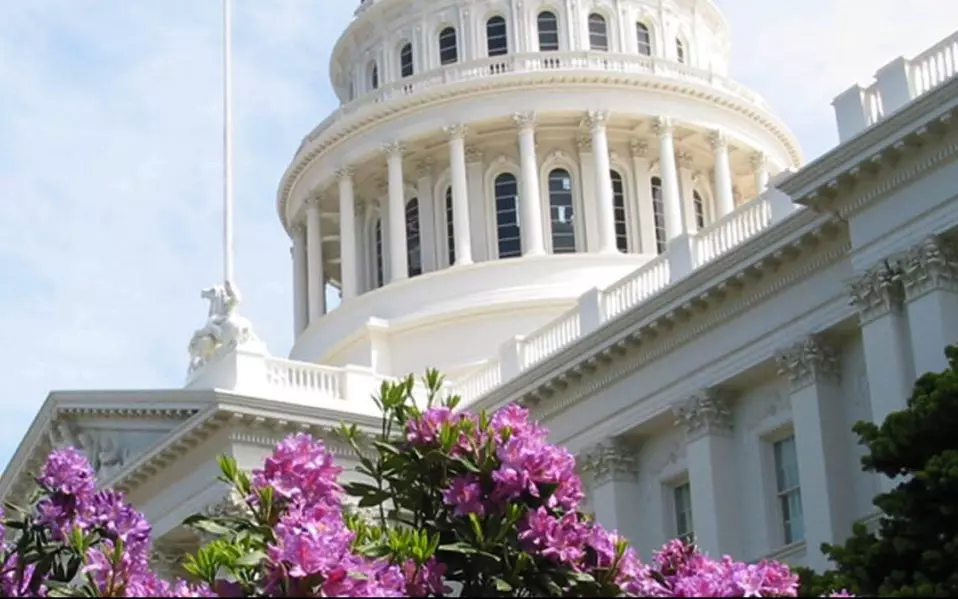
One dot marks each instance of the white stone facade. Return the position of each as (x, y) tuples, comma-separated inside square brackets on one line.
[(697, 316)]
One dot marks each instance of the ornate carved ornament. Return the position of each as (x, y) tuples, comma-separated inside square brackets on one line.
[(931, 264), (877, 291), (610, 460), (705, 412), (807, 361), (103, 448)]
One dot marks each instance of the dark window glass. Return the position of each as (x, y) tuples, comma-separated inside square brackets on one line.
[(560, 212), (450, 228), (658, 214), (413, 238), (548, 32), (598, 33), (507, 216), (644, 39), (497, 41), (405, 61), (618, 202), (448, 46)]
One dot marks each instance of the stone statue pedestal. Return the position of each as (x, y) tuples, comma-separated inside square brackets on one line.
[(241, 370)]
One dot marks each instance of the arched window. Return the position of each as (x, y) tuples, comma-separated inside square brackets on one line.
[(644, 39), (497, 36), (406, 68), (450, 228), (373, 75), (680, 53), (448, 46), (378, 235), (560, 212), (618, 204), (698, 206), (548, 26), (658, 214), (507, 216), (598, 33), (413, 238), (351, 92)]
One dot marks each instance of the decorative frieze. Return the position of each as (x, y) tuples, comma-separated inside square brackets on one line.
[(683, 159), (809, 360), (473, 154), (758, 161), (424, 168), (705, 412), (929, 265), (614, 459), (877, 291), (103, 448), (639, 148)]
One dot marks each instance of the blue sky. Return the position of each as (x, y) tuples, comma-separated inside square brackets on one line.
[(110, 161)]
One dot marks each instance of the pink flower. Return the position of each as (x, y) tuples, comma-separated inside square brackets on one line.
[(465, 494), (301, 470)]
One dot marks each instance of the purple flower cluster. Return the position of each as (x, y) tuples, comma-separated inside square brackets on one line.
[(313, 553)]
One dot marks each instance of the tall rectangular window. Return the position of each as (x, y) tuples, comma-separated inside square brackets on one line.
[(788, 490), (682, 504)]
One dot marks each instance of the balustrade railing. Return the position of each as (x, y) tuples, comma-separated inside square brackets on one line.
[(731, 230), (549, 339), (935, 65), (291, 376), (483, 378), (632, 290)]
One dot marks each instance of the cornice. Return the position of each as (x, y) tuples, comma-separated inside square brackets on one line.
[(820, 183), (713, 294), (377, 114)]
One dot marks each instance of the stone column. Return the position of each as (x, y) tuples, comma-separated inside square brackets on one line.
[(605, 209), (929, 273), (813, 370), (643, 194), (427, 216), (530, 197), (398, 260), (671, 197), (300, 306), (587, 229), (460, 191), (475, 182), (611, 467), (725, 203), (878, 295), (348, 252), (759, 162), (314, 260), (687, 190), (713, 479)]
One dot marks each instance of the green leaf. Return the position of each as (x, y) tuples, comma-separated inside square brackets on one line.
[(251, 559), (374, 499), (207, 525), (502, 586)]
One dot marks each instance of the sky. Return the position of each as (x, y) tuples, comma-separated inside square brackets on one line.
[(110, 162)]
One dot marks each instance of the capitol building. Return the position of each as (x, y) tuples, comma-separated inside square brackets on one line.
[(571, 205)]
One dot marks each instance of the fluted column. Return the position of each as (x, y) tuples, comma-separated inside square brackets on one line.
[(460, 193), (929, 274), (348, 252), (530, 200), (684, 162), (725, 202), (300, 308), (314, 259), (706, 417), (611, 471), (643, 193), (398, 260), (821, 433), (759, 162), (605, 210), (671, 197), (427, 216)]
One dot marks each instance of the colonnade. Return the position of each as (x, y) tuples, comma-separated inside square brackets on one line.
[(307, 253)]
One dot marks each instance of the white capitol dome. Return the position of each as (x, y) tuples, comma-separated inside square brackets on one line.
[(491, 161)]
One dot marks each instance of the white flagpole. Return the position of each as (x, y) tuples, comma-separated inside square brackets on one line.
[(227, 149)]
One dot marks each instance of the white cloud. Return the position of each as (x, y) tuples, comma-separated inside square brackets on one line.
[(110, 161)]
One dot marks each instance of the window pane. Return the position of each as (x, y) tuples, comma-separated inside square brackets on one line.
[(793, 520), (680, 50), (413, 238), (598, 33), (786, 464), (507, 216), (699, 207), (548, 32), (560, 211), (379, 252), (618, 202), (448, 50), (682, 499), (497, 42), (644, 39), (450, 229), (373, 76), (405, 61), (658, 213)]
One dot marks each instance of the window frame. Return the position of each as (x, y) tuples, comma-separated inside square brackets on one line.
[(784, 520), (448, 54), (658, 214), (677, 511), (414, 247), (407, 61), (450, 216), (572, 221), (504, 36), (643, 46), (595, 18), (499, 213), (540, 32), (622, 238)]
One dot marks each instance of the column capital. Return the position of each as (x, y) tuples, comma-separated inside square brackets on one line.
[(811, 359), (424, 168), (393, 149), (584, 143), (705, 412), (525, 121), (758, 161), (662, 126), (683, 159), (455, 131), (613, 459), (877, 291), (473, 154), (929, 265), (596, 119), (345, 172), (639, 148), (718, 139), (298, 229), (313, 201)]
